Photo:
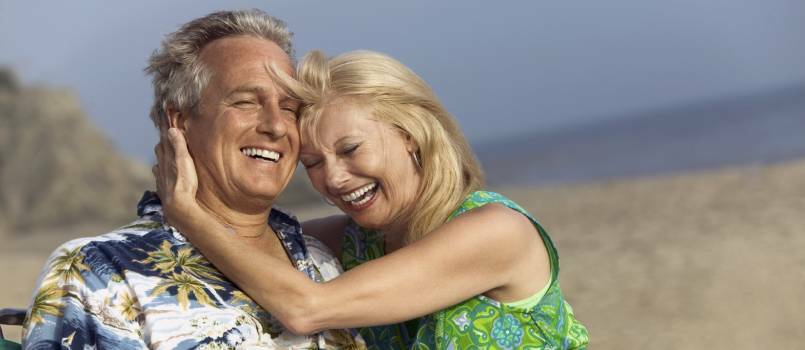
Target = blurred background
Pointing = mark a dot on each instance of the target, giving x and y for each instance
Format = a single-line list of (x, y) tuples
[(661, 143)]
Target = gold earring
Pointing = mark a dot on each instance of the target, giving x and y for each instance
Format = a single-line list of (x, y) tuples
[(416, 160)]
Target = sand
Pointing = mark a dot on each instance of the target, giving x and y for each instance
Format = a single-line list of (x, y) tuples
[(705, 260), (709, 260)]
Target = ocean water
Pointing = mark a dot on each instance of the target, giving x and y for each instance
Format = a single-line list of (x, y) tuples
[(763, 128)]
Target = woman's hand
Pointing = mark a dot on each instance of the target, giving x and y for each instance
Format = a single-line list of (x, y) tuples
[(176, 179)]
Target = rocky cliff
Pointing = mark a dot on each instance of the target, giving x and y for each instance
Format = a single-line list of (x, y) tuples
[(56, 168)]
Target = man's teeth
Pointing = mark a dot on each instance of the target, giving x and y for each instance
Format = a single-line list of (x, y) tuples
[(261, 153), (359, 192)]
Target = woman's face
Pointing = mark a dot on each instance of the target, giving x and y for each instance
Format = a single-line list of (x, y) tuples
[(362, 165)]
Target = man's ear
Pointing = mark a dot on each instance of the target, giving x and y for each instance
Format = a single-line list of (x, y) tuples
[(176, 118)]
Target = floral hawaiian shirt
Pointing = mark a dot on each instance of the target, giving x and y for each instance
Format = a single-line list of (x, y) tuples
[(144, 286)]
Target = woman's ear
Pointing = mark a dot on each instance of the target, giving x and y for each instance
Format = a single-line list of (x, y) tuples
[(410, 144)]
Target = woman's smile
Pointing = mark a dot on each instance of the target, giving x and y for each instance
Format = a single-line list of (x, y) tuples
[(361, 198)]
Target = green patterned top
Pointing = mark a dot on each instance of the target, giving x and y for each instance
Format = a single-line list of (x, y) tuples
[(361, 245), (478, 322)]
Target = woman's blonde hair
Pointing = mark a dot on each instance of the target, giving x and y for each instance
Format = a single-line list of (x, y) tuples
[(395, 95)]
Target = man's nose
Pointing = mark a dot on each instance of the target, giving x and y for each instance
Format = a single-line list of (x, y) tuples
[(271, 121)]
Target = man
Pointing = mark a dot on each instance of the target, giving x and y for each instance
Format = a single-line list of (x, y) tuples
[(143, 285)]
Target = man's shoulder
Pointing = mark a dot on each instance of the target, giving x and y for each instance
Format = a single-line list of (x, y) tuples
[(323, 258), (319, 253), (132, 230), (149, 212), (140, 234), (283, 220)]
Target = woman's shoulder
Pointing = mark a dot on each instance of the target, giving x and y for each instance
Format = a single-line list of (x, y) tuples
[(498, 217), (509, 223), (492, 213)]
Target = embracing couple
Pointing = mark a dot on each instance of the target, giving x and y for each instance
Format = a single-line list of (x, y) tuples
[(422, 257)]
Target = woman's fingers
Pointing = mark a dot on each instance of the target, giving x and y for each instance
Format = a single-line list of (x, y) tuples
[(175, 174), (155, 171), (183, 169), (177, 143), (160, 187), (183, 162), (165, 178)]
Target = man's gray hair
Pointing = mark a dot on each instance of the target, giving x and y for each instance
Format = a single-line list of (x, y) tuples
[(179, 75)]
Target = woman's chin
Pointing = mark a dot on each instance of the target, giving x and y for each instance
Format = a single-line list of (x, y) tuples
[(367, 221)]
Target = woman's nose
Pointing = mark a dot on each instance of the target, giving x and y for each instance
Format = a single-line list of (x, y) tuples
[(337, 177)]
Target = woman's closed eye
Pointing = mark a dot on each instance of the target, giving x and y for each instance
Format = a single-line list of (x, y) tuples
[(349, 148), (310, 162)]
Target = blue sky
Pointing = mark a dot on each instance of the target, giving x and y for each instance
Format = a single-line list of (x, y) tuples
[(504, 68)]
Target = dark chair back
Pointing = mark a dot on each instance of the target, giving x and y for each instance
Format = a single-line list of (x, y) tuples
[(11, 317)]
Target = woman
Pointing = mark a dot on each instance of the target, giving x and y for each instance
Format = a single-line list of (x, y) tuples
[(419, 241)]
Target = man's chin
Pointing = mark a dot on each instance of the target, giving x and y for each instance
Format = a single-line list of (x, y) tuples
[(258, 193), (252, 198), (267, 197), (253, 204)]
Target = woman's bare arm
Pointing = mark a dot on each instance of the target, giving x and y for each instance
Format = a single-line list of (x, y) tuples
[(484, 250)]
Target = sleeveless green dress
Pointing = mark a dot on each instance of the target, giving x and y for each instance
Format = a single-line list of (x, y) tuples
[(478, 322)]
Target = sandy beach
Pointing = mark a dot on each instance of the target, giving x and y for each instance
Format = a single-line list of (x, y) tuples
[(705, 260), (708, 260)]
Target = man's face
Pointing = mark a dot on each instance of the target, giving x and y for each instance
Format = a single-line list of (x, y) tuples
[(243, 137)]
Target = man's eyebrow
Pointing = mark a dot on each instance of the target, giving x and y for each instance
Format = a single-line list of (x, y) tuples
[(248, 89), (259, 90)]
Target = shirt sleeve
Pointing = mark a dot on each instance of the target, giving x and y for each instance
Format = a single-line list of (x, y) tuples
[(80, 303), (323, 258)]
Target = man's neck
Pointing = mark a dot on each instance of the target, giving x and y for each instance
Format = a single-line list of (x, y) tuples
[(248, 224), (244, 223)]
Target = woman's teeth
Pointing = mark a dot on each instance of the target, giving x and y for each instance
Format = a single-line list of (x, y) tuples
[(261, 153), (361, 195)]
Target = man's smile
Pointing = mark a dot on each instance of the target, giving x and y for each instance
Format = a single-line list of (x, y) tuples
[(261, 153)]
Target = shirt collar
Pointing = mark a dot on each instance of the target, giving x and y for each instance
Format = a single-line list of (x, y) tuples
[(283, 223)]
